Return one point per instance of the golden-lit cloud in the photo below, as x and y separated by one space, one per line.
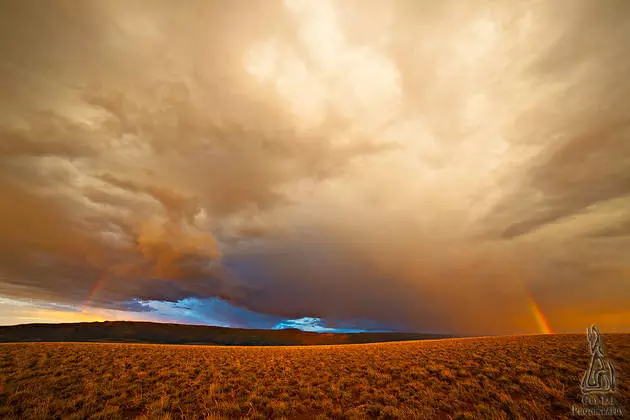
444 167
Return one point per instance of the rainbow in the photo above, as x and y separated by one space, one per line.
542 322
97 286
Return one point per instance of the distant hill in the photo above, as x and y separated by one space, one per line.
158 333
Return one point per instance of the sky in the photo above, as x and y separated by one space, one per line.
446 167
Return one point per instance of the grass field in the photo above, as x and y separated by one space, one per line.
495 377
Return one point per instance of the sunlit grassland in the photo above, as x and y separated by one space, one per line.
502 377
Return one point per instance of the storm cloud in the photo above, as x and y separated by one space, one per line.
431 167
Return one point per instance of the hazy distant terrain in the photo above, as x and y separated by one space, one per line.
157 333
493 377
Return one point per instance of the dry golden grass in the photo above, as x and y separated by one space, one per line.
497 377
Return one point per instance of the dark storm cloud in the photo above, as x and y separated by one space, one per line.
621 229
184 129
582 125
419 165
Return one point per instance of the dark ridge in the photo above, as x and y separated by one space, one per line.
158 333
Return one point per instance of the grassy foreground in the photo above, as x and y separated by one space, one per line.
495 377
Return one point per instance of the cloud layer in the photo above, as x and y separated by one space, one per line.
427 167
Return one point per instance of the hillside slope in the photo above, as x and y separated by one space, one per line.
158 333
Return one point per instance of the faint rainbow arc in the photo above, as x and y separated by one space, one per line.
541 320
95 288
